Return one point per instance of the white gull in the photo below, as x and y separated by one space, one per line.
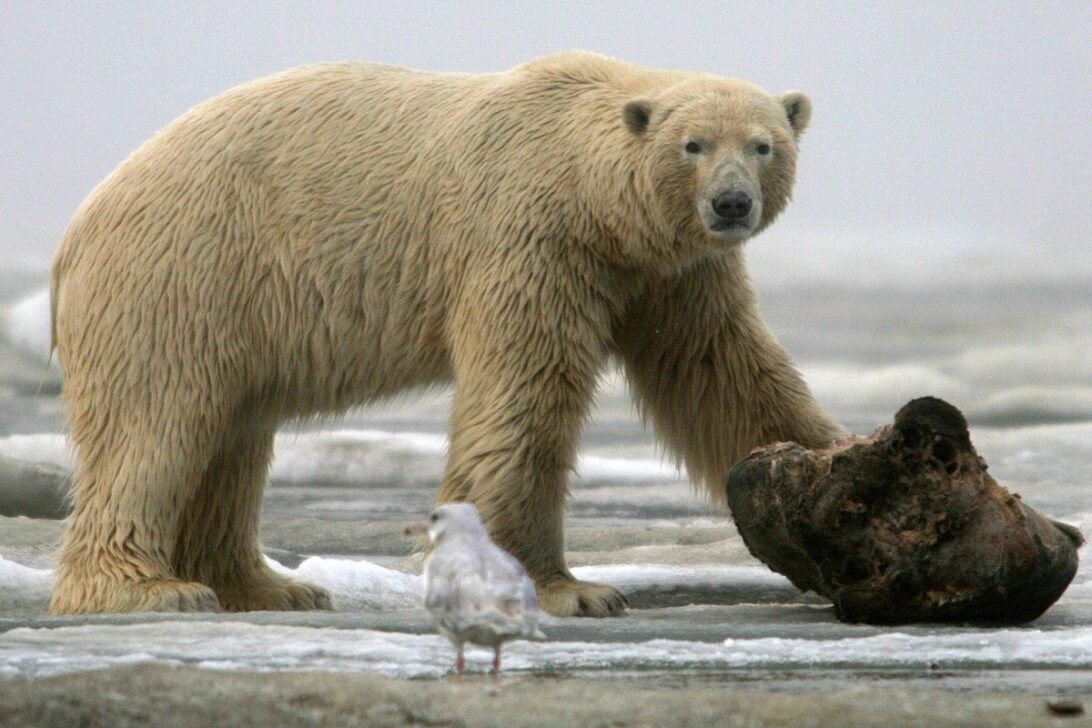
476 591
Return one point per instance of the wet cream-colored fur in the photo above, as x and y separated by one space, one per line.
332 235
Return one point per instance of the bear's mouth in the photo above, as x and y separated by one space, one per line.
734 227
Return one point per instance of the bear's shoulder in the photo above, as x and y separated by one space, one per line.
587 67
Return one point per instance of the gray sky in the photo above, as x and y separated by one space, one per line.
944 135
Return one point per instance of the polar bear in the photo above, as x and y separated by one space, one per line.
329 236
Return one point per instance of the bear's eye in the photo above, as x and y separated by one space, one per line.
763 148
692 147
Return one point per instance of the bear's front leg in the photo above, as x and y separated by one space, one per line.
524 377
511 458
709 374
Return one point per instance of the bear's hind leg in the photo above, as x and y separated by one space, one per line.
116 552
218 539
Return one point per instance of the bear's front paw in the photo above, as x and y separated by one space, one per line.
566 597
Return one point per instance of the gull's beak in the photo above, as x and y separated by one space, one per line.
416 529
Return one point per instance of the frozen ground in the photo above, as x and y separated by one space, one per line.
702 607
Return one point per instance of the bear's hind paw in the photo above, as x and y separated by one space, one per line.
279 596
111 595
181 596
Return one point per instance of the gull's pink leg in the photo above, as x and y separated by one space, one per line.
496 662
460 663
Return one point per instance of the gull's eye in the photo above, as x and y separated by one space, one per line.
692 147
433 518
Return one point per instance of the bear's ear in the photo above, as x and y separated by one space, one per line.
637 115
798 108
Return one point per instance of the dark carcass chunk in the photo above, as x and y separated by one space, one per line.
905 525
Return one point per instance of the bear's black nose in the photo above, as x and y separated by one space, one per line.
732 205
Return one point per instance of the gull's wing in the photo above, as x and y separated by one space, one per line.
518 587
515 592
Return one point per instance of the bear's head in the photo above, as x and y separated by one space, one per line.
719 156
